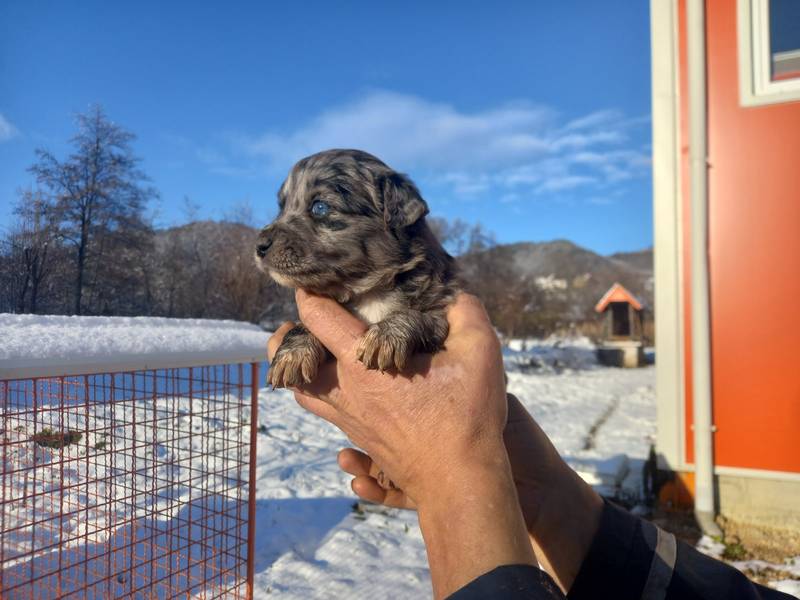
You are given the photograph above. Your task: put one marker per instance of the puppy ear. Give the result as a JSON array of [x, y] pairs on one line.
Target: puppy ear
[[402, 203]]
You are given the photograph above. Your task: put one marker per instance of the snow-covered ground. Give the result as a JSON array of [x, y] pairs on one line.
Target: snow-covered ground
[[312, 540], [312, 544]]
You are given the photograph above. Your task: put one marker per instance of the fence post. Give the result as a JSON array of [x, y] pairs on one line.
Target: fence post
[[251, 501]]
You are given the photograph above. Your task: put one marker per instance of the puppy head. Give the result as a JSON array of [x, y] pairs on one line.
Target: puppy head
[[345, 225]]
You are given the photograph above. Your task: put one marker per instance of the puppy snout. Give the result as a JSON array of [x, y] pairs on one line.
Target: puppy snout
[[265, 240]]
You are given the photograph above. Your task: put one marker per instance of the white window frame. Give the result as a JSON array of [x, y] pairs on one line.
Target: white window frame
[[756, 87]]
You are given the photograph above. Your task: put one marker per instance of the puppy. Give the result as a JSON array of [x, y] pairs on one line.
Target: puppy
[[354, 230]]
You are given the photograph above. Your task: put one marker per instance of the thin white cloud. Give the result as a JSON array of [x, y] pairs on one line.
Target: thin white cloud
[[517, 148], [467, 184], [595, 119], [7, 129], [567, 182]]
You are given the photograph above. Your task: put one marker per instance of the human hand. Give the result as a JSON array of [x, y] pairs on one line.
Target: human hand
[[444, 410], [370, 482], [561, 512], [436, 429]]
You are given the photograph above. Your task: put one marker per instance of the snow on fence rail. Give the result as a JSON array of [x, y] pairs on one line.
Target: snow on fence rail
[[126, 457]]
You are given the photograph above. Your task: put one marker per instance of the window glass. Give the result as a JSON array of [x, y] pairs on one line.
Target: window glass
[[784, 39]]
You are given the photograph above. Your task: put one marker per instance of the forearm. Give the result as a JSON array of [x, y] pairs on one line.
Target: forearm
[[561, 531], [473, 524], [562, 513]]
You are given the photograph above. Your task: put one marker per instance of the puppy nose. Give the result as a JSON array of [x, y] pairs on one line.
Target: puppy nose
[[261, 249], [264, 242]]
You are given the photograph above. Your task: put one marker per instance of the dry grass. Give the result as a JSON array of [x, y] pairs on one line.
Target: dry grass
[[741, 541], [48, 438]]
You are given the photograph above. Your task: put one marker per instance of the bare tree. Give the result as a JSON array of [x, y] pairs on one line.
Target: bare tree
[[451, 234], [28, 250], [458, 237], [242, 284], [97, 190]]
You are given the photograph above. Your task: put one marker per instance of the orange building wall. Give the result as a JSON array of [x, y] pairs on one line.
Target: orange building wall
[[754, 258]]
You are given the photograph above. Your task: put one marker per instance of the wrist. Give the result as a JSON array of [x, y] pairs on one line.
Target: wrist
[[473, 524], [459, 474]]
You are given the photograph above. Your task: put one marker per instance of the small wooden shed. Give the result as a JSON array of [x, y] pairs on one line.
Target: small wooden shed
[[622, 328]]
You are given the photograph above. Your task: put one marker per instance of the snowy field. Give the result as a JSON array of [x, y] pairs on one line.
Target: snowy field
[[312, 544], [312, 539]]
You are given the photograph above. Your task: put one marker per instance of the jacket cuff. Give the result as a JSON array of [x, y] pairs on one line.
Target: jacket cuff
[[510, 582], [620, 559]]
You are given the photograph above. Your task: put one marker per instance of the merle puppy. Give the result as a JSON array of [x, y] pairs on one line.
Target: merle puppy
[[354, 230]]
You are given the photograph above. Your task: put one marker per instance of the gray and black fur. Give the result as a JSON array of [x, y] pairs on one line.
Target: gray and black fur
[[372, 252]]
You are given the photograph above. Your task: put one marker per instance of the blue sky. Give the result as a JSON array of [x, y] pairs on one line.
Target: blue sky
[[530, 117]]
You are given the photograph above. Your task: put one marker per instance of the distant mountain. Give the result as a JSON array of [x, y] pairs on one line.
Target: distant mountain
[[643, 259], [527, 287], [560, 280]]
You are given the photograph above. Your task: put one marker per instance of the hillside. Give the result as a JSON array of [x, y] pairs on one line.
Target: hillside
[[643, 259], [529, 288], [555, 284], [205, 269]]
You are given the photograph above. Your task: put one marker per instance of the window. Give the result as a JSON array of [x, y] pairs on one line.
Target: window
[[769, 51], [784, 39]]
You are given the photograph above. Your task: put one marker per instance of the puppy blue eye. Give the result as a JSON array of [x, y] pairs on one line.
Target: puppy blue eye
[[320, 208]]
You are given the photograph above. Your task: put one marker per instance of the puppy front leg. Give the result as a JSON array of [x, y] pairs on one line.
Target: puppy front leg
[[297, 360], [390, 343]]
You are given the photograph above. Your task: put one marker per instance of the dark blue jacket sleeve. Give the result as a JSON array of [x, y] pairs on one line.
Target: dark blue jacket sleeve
[[511, 582], [631, 558]]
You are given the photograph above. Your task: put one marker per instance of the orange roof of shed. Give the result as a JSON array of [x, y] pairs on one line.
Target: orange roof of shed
[[617, 293]]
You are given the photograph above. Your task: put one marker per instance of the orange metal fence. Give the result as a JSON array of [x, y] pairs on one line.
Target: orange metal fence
[[129, 485]]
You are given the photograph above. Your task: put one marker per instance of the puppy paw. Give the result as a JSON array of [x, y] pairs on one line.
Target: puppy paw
[[384, 347], [297, 360]]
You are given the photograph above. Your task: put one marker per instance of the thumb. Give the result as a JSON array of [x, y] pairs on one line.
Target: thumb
[[330, 322]]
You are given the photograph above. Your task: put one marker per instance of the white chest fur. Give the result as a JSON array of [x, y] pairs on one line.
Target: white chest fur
[[374, 307]]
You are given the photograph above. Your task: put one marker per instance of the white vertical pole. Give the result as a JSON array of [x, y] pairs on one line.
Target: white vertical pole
[[701, 344], [667, 236]]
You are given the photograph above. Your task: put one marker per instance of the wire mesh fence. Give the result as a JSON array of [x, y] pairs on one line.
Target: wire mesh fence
[[128, 485]]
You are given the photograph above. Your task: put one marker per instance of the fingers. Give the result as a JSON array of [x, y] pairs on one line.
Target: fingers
[[367, 488], [276, 339], [358, 463], [354, 462], [365, 481], [334, 326]]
